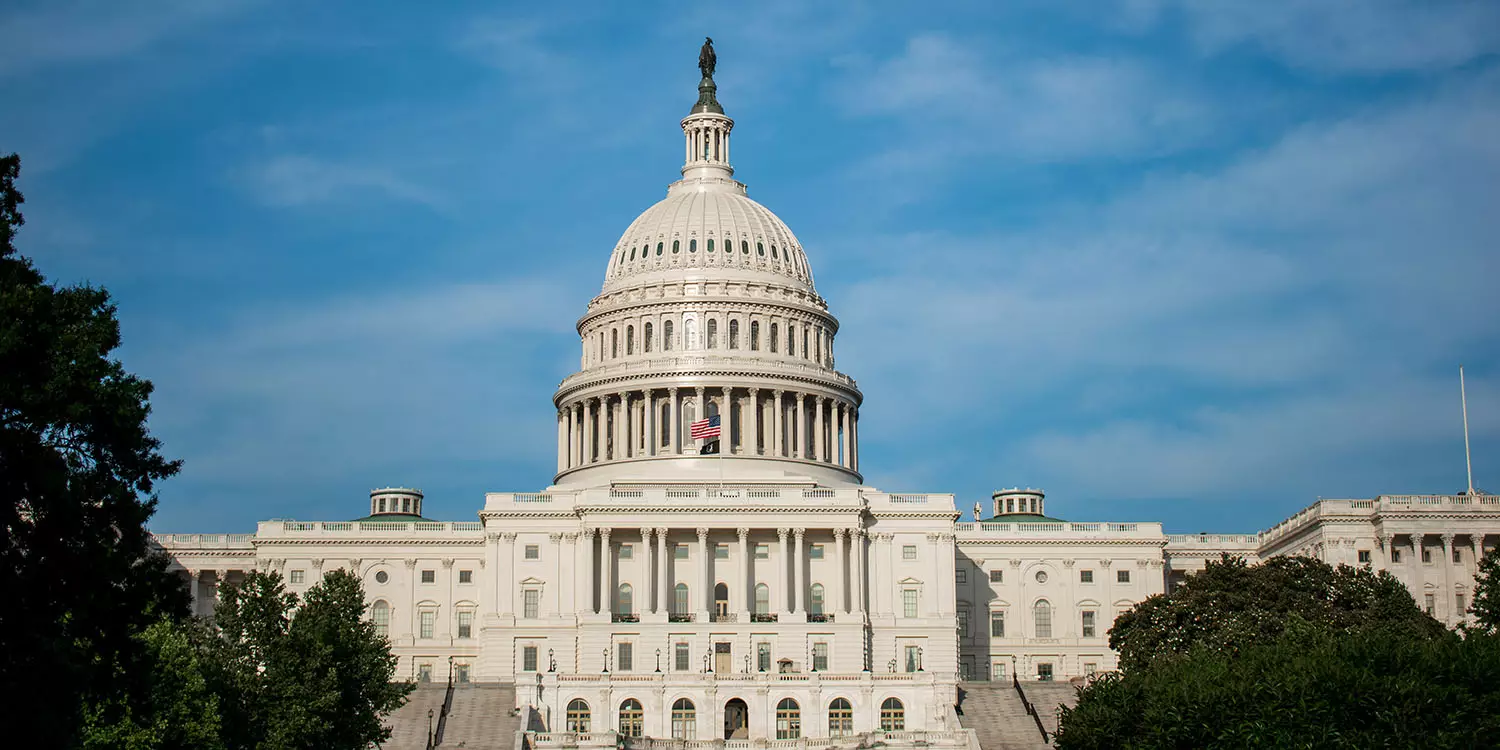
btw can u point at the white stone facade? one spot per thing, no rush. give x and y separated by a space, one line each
762 593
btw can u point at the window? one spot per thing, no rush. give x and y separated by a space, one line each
908 602
682 657
528 658
791 340
734 334
754 336
684 720
721 599
632 718
614 343
1122 576
762 551
713 333
424 673
1041 576
909 552
627 551
666 336
1090 669
820 657
531 604
721 552
680 599
772 339
892 716
466 624
997 576
1459 604
380 505
840 718
629 340
533 552
646 338
624 603
963 622
578 716
998 672
380 614
429 576
679 552
298 576
788 720
997 624
913 658
465 576
429 618
815 602
815 552
1085 576
1364 556
625 657
1457 559
461 674
763 657
1428 604
693 246
710 244
960 576
676 246
1042 616
1088 623
762 599
1426 556
774 256
1044 672
805 350
1395 555
744 247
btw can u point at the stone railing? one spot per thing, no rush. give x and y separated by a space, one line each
1213 540
982 529
342 528
744 362
1381 504
205 541
939 739
749 496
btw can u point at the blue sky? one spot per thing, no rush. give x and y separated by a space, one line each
1179 260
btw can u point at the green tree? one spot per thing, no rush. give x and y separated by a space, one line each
303 674
183 712
1486 607
77 471
1308 687
1230 606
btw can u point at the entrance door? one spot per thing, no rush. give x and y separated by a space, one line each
723 659
1044 672
736 720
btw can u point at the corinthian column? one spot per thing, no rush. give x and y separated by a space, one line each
780 429
844 442
841 576
751 436
705 578
820 448
605 589
562 442
648 601
674 446
799 588
588 431
585 594
746 585
664 587
783 582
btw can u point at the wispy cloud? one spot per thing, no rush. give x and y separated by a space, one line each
76 32
295 180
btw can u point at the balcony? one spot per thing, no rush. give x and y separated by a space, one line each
825 617
723 617
762 617
680 617
621 617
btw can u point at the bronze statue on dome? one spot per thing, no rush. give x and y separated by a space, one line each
706 57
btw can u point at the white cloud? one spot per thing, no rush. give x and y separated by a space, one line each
73 32
295 180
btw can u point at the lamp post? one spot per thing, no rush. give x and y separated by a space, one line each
1015 674
551 661
919 658
429 729
747 664
605 651
658 660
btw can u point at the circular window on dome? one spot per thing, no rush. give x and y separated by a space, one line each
658 248
692 246
674 246
1041 576
382 577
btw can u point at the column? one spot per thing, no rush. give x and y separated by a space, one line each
648 600
562 442
621 422
854 446
507 578
705 576
841 580
193 591
939 580
650 440
577 436
746 583
583 594
588 432
1447 603
752 434
820 443
726 423
799 430
799 586
674 446
784 581
605 589
664 587
780 431
861 576
844 442
701 412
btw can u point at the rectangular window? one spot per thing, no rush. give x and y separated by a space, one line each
912 660
1122 576
1085 576
429 576
762 551
679 552
429 618
997 576
960 576
424 673
815 552
1426 556
1000 671
466 624
528 659
1457 557
963 623
533 552
763 657
626 661
909 552
820 657
997 624
461 674
298 576
1043 616
683 657
1364 556
627 551
1395 555
721 552
532 604
1090 669
1088 623
909 603
1044 672
1459 605
465 576
1429 604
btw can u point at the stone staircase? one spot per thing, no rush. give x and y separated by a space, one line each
409 723
483 717
994 712
1047 696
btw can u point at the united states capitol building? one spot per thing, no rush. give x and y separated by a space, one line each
763 595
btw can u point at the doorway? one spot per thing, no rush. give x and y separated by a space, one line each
736 720
723 659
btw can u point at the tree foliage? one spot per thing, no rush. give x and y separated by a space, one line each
77 469
1231 605
1308 687
1486 606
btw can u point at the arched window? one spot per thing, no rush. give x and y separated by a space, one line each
788 720
675 247
632 718
774 335
840 718
684 720
754 335
625 600
892 716
629 340
713 333
791 340
632 253
614 343
734 334
692 246
774 256
665 421
680 599
658 249
710 244
647 342
806 352
762 250
1042 614
380 614
745 247
815 602
666 336
762 599
578 716
721 599
690 334
759 248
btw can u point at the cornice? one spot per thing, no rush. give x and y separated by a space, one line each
568 391
1055 542
477 541
695 304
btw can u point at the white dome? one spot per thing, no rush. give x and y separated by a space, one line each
675 235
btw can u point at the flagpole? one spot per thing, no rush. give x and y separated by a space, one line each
1464 399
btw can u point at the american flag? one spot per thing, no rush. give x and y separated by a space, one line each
705 428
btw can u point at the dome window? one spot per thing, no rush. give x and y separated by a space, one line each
774 256
692 246
734 334
772 340
632 253
710 244
744 246
658 249
674 247
666 336
646 341
713 333
762 250
754 336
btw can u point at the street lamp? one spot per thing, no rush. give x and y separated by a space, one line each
658 660
919 658
747 664
551 661
605 651
429 728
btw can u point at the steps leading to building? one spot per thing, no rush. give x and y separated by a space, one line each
995 713
409 723
482 718
1047 696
